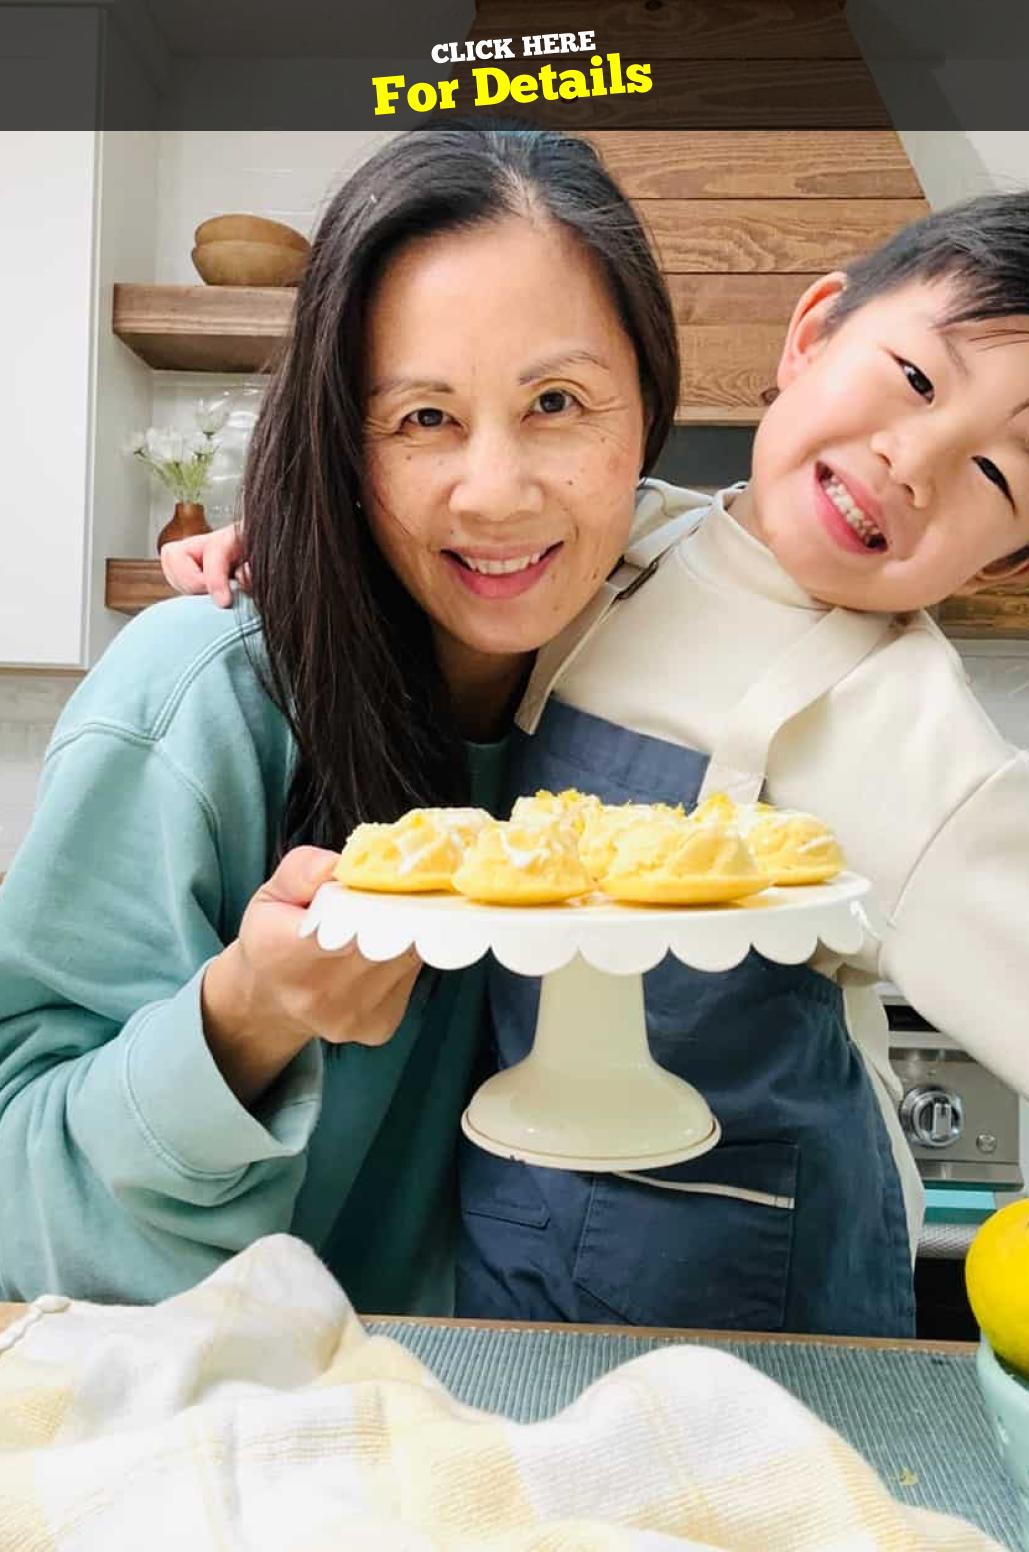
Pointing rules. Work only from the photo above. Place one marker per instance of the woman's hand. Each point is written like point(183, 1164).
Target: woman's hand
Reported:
point(270, 992)
point(206, 563)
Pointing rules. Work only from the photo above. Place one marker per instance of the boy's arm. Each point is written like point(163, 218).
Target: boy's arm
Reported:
point(958, 941)
point(129, 1168)
point(206, 563)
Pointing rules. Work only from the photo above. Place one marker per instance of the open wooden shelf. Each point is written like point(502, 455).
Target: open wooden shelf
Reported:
point(204, 328)
point(132, 585)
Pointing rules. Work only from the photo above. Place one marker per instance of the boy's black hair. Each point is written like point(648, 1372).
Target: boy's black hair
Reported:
point(981, 246)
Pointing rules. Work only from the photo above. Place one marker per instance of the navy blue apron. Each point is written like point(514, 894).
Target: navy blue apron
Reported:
point(794, 1222)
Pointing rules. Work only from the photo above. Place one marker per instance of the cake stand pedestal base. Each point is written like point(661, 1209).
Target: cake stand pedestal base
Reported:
point(589, 1095)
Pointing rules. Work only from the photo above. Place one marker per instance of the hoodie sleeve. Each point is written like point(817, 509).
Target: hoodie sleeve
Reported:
point(130, 1168)
point(957, 943)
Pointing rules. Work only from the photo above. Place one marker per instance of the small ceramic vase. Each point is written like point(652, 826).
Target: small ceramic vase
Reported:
point(187, 519)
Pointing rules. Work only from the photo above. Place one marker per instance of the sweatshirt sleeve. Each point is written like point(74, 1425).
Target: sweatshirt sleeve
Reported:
point(130, 1169)
point(957, 943)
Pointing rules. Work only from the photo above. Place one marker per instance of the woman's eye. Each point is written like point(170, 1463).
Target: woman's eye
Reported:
point(994, 475)
point(426, 417)
point(554, 401)
point(917, 378)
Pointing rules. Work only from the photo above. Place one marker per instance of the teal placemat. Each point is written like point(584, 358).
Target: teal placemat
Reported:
point(916, 1416)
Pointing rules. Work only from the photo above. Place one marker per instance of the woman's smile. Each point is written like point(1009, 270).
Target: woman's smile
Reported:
point(505, 575)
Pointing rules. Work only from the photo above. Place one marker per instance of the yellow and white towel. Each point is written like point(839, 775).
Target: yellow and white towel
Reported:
point(254, 1414)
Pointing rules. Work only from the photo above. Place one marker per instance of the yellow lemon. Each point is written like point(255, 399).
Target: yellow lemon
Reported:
point(997, 1279)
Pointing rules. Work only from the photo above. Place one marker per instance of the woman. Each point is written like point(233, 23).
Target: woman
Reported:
point(163, 1095)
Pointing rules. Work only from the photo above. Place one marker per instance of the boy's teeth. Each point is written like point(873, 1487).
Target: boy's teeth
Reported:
point(502, 568)
point(852, 514)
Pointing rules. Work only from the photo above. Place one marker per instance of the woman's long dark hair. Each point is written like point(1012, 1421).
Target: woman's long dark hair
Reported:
point(349, 657)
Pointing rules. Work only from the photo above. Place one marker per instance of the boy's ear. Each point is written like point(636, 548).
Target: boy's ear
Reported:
point(806, 332)
point(1012, 571)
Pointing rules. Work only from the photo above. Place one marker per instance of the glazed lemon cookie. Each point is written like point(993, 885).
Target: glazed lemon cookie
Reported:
point(544, 806)
point(721, 808)
point(604, 824)
point(676, 861)
point(418, 853)
point(517, 863)
point(794, 848)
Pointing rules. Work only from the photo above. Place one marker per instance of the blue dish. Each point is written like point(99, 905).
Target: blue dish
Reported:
point(1007, 1402)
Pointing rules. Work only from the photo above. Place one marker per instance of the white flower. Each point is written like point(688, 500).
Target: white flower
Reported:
point(211, 415)
point(135, 443)
point(181, 460)
point(163, 446)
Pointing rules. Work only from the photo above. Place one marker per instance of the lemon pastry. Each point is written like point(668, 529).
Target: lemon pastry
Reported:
point(721, 808)
point(673, 861)
point(417, 853)
point(544, 806)
point(604, 824)
point(794, 848)
point(517, 863)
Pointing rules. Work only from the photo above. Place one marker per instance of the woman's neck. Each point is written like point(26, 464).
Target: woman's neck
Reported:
point(484, 689)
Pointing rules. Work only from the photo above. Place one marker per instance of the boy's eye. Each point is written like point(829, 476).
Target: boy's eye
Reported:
point(917, 378)
point(426, 417)
point(554, 401)
point(994, 475)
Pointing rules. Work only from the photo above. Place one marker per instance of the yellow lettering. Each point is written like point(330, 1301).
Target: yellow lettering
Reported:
point(525, 88)
point(572, 85)
point(638, 77)
point(385, 92)
point(422, 96)
point(484, 96)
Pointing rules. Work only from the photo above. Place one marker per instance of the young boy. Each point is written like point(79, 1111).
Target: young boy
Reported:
point(777, 650)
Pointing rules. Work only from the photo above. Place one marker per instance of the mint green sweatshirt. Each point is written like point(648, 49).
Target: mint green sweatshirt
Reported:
point(128, 1169)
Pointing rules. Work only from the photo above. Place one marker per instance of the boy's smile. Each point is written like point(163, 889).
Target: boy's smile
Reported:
point(894, 465)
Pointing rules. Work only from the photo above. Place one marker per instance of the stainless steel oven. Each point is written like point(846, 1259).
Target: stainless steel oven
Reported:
point(962, 1124)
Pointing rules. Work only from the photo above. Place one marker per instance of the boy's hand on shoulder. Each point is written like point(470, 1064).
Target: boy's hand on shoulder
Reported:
point(207, 563)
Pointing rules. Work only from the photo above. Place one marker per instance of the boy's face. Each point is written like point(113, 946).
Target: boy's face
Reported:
point(894, 465)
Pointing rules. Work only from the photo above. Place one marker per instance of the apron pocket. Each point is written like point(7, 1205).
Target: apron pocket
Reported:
point(703, 1244)
point(504, 1189)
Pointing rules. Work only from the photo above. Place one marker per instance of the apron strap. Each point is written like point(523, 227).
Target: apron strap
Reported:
point(807, 670)
point(647, 547)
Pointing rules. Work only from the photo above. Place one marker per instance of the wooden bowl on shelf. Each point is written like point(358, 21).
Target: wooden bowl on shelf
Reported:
point(241, 250)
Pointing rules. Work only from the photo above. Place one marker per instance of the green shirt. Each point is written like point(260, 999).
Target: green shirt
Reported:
point(129, 1168)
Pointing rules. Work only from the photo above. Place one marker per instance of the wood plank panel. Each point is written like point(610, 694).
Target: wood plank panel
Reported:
point(737, 299)
point(204, 328)
point(728, 371)
point(681, 29)
point(703, 94)
point(986, 614)
point(759, 164)
point(747, 236)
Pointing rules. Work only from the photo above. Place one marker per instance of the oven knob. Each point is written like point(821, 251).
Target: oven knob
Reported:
point(933, 1118)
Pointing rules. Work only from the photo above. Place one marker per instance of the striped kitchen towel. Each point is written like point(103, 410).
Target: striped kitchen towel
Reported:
point(255, 1414)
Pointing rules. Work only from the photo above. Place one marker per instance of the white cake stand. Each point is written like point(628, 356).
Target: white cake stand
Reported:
point(589, 1095)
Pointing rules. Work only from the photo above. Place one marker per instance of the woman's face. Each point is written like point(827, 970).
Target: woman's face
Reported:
point(503, 433)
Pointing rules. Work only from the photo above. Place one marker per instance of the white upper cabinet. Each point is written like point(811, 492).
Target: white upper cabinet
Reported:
point(78, 211)
point(48, 180)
